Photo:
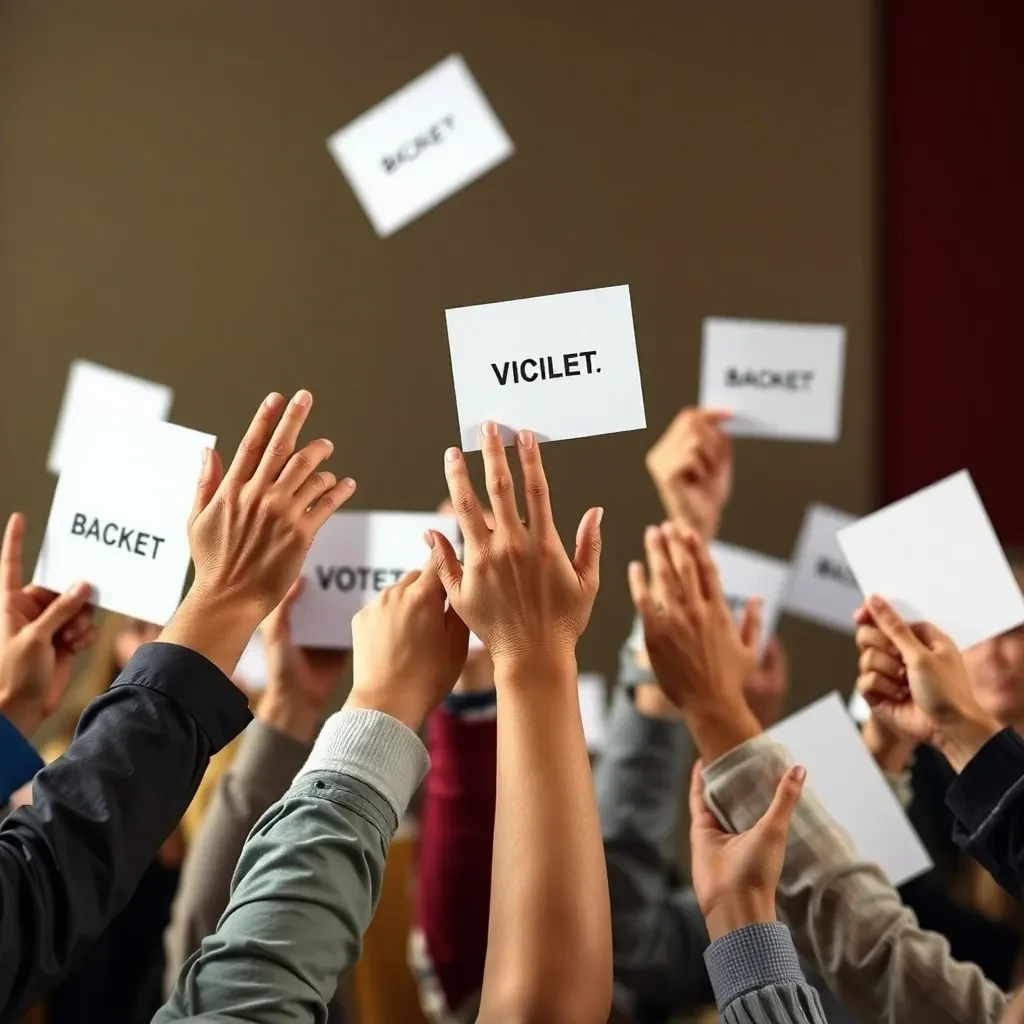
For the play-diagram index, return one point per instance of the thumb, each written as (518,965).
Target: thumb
(209,480)
(588,547)
(894,628)
(445,562)
(775,821)
(932,636)
(63,609)
(750,624)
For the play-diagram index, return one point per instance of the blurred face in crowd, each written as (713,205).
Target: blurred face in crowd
(134,633)
(997,672)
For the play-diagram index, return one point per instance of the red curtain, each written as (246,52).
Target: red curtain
(954,249)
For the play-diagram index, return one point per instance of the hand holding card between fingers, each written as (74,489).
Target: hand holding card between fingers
(691,467)
(915,681)
(735,876)
(518,590)
(40,635)
(408,649)
(251,527)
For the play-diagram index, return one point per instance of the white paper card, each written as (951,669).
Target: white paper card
(936,558)
(860,710)
(252,669)
(844,777)
(354,557)
(560,365)
(119,518)
(593,710)
(93,394)
(779,380)
(420,145)
(821,587)
(746,574)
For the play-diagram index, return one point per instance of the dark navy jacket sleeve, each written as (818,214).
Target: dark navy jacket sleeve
(18,760)
(987,800)
(71,860)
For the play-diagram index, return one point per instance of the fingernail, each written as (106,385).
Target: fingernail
(668,529)
(327,441)
(876,602)
(600,515)
(79,589)
(798,773)
(651,533)
(429,538)
(526,438)
(273,400)
(349,482)
(489,428)
(302,398)
(452,455)
(206,456)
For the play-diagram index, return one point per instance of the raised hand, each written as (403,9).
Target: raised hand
(549,938)
(517,590)
(915,681)
(40,634)
(300,681)
(408,649)
(691,466)
(735,876)
(250,529)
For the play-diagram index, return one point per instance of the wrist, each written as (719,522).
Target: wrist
(739,910)
(217,626)
(395,701)
(26,716)
(289,718)
(960,742)
(720,726)
(891,750)
(535,669)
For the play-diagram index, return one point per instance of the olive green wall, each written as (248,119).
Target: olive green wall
(168,207)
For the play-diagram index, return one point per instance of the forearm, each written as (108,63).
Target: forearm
(844,915)
(549,941)
(658,932)
(267,762)
(100,813)
(307,882)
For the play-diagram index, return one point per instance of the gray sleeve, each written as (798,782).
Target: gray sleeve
(308,881)
(757,979)
(658,932)
(266,763)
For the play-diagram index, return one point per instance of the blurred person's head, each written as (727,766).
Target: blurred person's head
(997,667)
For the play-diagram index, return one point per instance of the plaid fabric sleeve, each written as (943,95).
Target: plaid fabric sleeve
(844,915)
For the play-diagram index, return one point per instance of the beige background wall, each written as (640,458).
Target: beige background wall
(167,206)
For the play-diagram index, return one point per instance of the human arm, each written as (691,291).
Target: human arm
(658,931)
(549,938)
(844,915)
(310,873)
(751,961)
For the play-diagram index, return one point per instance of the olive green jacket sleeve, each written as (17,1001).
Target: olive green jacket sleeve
(307,883)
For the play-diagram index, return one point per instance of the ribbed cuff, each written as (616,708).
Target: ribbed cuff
(19,761)
(374,748)
(268,760)
(994,775)
(749,959)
